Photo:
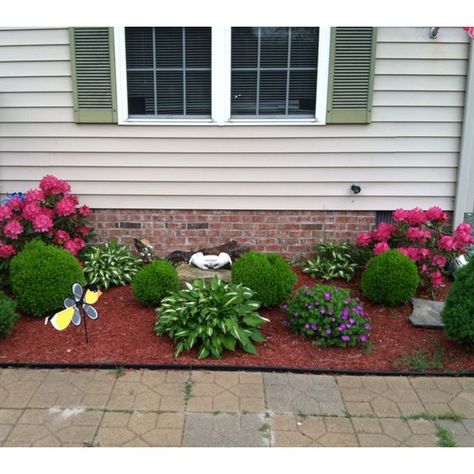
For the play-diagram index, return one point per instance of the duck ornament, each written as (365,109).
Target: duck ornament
(210,262)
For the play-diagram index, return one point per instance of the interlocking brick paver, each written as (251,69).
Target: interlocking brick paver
(308,394)
(225,429)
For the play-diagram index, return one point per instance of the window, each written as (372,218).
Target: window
(274,71)
(168,72)
(222,75)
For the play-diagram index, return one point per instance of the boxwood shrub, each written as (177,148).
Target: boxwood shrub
(268,275)
(154,281)
(390,278)
(41,277)
(458,311)
(8,314)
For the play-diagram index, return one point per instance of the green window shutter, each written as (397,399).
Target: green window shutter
(351,74)
(93,75)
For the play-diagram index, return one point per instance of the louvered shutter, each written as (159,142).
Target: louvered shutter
(93,75)
(351,75)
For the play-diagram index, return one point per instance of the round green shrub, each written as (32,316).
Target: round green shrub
(458,311)
(154,281)
(390,278)
(8,314)
(41,277)
(268,275)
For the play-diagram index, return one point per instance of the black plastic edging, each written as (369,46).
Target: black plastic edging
(233,368)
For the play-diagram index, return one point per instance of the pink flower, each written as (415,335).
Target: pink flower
(410,252)
(83,230)
(415,233)
(438,261)
(6,251)
(436,279)
(31,210)
(463,228)
(424,252)
(84,210)
(51,186)
(74,245)
(66,206)
(34,195)
(12,229)
(15,203)
(60,236)
(447,242)
(435,213)
(383,232)
(364,239)
(399,215)
(381,247)
(415,216)
(43,223)
(5,213)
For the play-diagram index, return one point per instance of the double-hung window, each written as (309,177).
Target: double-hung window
(222,75)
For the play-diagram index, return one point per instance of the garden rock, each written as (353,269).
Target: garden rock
(189,273)
(426,313)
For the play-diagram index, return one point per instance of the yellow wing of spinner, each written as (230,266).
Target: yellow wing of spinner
(62,319)
(91,296)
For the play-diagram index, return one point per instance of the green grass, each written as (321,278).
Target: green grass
(426,416)
(188,386)
(445,439)
(422,360)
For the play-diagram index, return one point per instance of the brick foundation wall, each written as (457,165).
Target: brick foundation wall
(291,233)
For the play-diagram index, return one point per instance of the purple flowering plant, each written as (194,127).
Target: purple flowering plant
(329,315)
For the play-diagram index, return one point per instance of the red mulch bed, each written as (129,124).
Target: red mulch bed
(123,335)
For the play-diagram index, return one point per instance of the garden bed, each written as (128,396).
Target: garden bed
(123,335)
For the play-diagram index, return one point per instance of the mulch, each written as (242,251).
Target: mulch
(123,335)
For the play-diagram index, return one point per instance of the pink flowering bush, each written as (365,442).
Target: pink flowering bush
(421,236)
(50,213)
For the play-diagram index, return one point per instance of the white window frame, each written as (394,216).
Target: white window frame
(221,85)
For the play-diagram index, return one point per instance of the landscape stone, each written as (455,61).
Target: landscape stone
(189,273)
(426,313)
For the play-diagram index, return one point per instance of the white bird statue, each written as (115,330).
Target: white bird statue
(210,262)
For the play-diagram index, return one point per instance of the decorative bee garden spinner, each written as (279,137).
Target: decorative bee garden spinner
(81,301)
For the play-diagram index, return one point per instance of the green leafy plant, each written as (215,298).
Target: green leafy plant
(423,360)
(329,315)
(332,260)
(154,281)
(390,278)
(458,312)
(8,314)
(110,264)
(445,438)
(214,317)
(268,275)
(41,277)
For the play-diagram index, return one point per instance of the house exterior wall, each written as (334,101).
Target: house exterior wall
(407,157)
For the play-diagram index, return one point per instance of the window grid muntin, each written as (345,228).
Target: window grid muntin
(288,69)
(183,69)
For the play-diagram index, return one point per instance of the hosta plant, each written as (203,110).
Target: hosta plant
(211,317)
(332,260)
(110,264)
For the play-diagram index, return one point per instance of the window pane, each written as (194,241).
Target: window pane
(302,97)
(244,93)
(169,47)
(304,47)
(272,92)
(244,47)
(139,47)
(274,71)
(198,91)
(141,98)
(274,47)
(169,71)
(198,47)
(169,91)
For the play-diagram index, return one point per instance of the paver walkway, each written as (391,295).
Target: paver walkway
(202,408)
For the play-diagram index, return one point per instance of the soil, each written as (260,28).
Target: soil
(124,335)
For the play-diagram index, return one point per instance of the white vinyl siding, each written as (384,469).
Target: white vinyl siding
(407,156)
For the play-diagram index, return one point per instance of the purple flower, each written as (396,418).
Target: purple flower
(367,326)
(345,338)
(328,331)
(363,338)
(284,306)
(323,310)
(352,321)
(314,327)
(345,313)
(309,305)
(327,296)
(333,320)
(307,326)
